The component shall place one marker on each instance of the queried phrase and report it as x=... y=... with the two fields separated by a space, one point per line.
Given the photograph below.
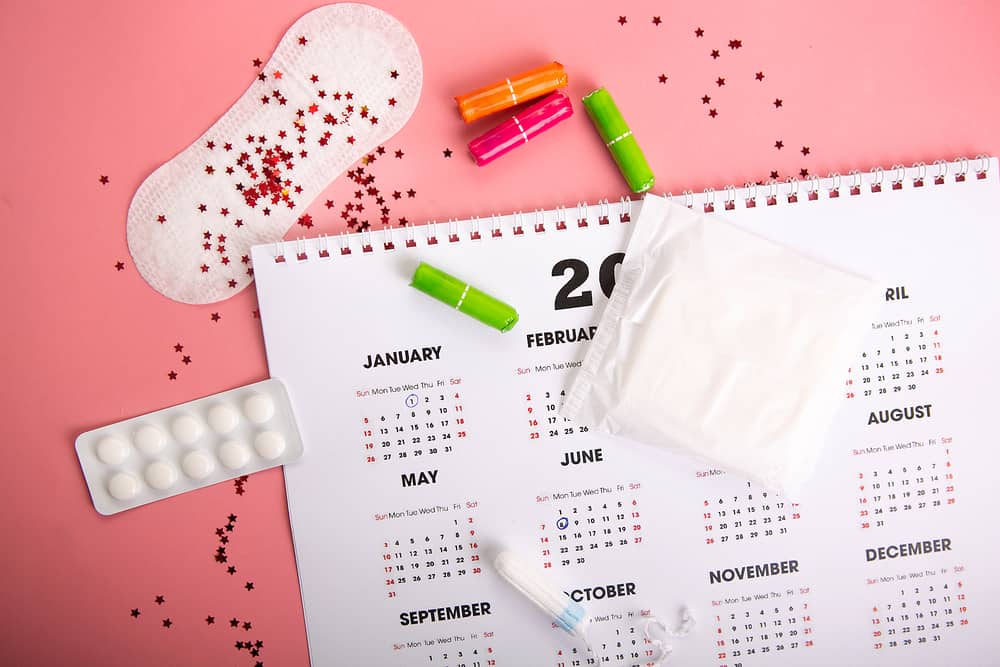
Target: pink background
x=115 y=88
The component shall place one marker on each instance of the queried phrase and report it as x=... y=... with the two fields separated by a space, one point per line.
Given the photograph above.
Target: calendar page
x=433 y=441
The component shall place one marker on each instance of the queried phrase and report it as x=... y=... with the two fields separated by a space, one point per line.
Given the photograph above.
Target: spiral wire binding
x=604 y=212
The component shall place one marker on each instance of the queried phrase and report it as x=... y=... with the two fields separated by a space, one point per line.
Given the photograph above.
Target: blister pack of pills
x=189 y=446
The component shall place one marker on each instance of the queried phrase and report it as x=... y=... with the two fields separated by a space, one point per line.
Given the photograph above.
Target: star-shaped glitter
x=247 y=625
x=713 y=113
x=803 y=172
x=662 y=78
x=277 y=74
x=778 y=102
x=779 y=144
x=216 y=317
x=305 y=220
x=210 y=620
x=705 y=99
x=232 y=569
x=229 y=527
x=759 y=76
x=303 y=41
x=202 y=208
x=399 y=155
x=120 y=266
x=233 y=622
x=411 y=193
x=104 y=179
x=161 y=218
x=135 y=613
x=447 y=152
x=159 y=599
x=329 y=203
x=239 y=646
x=720 y=82
x=774 y=174
x=173 y=376
x=393 y=74
x=232 y=518
x=714 y=54
x=805 y=150
x=656 y=20
x=167 y=623
x=735 y=44
x=698 y=32
x=256 y=62
x=249 y=586
x=622 y=20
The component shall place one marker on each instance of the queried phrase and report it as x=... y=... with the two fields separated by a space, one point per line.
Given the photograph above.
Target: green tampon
x=463 y=297
x=618 y=138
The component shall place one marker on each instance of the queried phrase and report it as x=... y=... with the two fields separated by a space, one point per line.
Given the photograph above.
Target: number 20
x=579 y=273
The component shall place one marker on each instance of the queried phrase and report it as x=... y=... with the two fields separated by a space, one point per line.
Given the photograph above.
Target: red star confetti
x=399 y=155
x=778 y=102
x=249 y=586
x=216 y=317
x=656 y=20
x=759 y=76
x=622 y=20
x=713 y=113
x=303 y=41
x=167 y=622
x=104 y=179
x=173 y=376
x=698 y=32
x=135 y=613
x=119 y=266
x=159 y=599
x=277 y=74
x=247 y=625
x=161 y=218
x=705 y=99
x=805 y=150
x=411 y=193
x=234 y=623
x=329 y=203
x=779 y=144
x=714 y=54
x=774 y=174
x=662 y=78
x=256 y=62
x=178 y=348
x=447 y=152
x=803 y=173
x=735 y=44
x=305 y=220
x=720 y=82
x=186 y=359
x=210 y=620
x=393 y=74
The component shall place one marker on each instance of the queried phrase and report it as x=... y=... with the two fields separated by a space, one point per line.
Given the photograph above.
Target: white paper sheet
x=629 y=529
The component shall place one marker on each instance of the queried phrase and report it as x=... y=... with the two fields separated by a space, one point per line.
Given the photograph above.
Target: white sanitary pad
x=723 y=344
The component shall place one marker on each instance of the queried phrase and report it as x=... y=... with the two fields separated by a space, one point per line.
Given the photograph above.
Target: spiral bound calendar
x=431 y=441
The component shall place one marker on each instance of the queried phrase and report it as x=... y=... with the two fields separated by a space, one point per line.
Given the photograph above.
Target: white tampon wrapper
x=567 y=614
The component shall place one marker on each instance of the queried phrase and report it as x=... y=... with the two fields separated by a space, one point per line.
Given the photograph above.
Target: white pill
x=258 y=408
x=198 y=464
x=233 y=454
x=149 y=439
x=222 y=418
x=186 y=429
x=123 y=486
x=269 y=444
x=160 y=475
x=112 y=450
